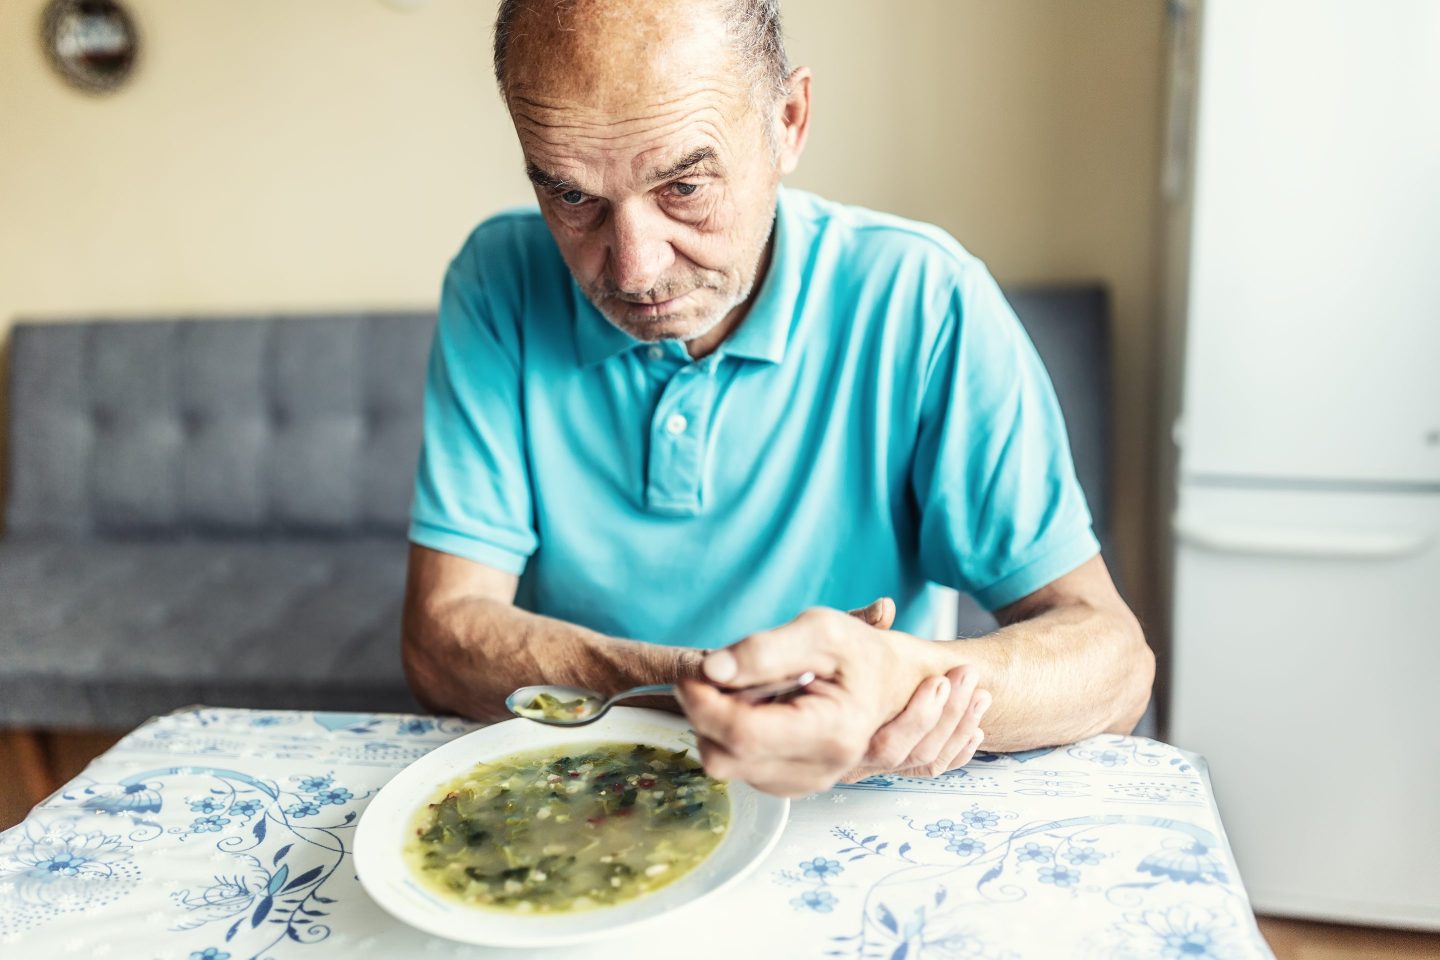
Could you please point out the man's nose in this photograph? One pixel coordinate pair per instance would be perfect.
(640, 250)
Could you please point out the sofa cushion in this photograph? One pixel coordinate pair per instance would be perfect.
(106, 634)
(231, 427)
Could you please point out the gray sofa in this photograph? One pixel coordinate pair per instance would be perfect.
(214, 510)
(207, 511)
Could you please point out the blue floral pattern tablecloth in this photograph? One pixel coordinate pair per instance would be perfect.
(217, 834)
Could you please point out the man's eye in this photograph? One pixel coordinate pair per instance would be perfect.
(572, 198)
(685, 189)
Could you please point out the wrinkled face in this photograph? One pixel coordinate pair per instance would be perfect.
(651, 163)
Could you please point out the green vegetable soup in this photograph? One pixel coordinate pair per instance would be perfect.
(545, 833)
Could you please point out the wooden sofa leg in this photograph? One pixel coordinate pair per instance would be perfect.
(35, 780)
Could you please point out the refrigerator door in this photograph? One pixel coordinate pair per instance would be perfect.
(1313, 342)
(1307, 670)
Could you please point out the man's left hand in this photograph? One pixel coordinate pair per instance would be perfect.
(939, 729)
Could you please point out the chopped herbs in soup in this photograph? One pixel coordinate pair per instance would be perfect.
(539, 832)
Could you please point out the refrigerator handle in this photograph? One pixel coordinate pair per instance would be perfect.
(1297, 541)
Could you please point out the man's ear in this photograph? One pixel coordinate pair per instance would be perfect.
(793, 120)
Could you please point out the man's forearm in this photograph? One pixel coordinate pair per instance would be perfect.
(1066, 674)
(465, 656)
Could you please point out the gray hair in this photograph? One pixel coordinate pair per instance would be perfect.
(753, 25)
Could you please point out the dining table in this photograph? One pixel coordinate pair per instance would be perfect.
(228, 834)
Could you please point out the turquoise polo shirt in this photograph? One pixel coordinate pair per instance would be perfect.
(878, 424)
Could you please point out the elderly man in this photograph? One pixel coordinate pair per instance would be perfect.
(680, 409)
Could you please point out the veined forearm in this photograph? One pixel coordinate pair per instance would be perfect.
(465, 657)
(1070, 673)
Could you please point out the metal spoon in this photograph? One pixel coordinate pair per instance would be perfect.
(576, 706)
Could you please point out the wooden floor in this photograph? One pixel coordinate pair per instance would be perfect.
(1298, 940)
(31, 768)
(26, 777)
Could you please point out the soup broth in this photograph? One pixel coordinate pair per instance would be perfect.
(544, 832)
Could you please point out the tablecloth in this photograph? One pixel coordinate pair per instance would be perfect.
(217, 834)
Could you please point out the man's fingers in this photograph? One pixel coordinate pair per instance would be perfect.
(807, 729)
(770, 656)
(894, 742)
(880, 613)
(717, 761)
(956, 719)
(783, 778)
(869, 614)
(968, 736)
(967, 753)
(713, 715)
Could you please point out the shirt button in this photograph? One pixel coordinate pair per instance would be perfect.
(676, 424)
(656, 352)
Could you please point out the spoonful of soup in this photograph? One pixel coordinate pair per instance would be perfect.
(576, 706)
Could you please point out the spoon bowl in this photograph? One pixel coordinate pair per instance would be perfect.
(557, 705)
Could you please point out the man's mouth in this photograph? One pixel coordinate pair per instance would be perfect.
(655, 308)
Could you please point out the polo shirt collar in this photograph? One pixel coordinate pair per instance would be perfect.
(764, 333)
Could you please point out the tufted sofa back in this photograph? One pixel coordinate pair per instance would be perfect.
(311, 424)
(242, 427)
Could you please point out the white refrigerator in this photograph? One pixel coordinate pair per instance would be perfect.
(1305, 629)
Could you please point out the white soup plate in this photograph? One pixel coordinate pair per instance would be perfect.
(756, 821)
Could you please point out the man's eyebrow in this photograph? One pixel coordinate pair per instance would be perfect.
(547, 181)
(689, 162)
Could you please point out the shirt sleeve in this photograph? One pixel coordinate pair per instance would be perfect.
(1001, 511)
(472, 487)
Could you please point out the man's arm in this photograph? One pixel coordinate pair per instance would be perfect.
(1070, 662)
(466, 646)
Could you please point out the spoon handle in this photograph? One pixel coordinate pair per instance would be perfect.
(650, 690)
(765, 691)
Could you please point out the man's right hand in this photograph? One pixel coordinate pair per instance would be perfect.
(938, 730)
(808, 743)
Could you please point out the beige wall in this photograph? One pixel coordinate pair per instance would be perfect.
(275, 154)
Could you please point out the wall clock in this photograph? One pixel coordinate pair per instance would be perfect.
(92, 44)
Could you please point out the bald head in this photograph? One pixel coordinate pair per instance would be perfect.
(532, 36)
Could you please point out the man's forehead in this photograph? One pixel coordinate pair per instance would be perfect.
(647, 143)
(616, 55)
(605, 90)
(620, 112)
